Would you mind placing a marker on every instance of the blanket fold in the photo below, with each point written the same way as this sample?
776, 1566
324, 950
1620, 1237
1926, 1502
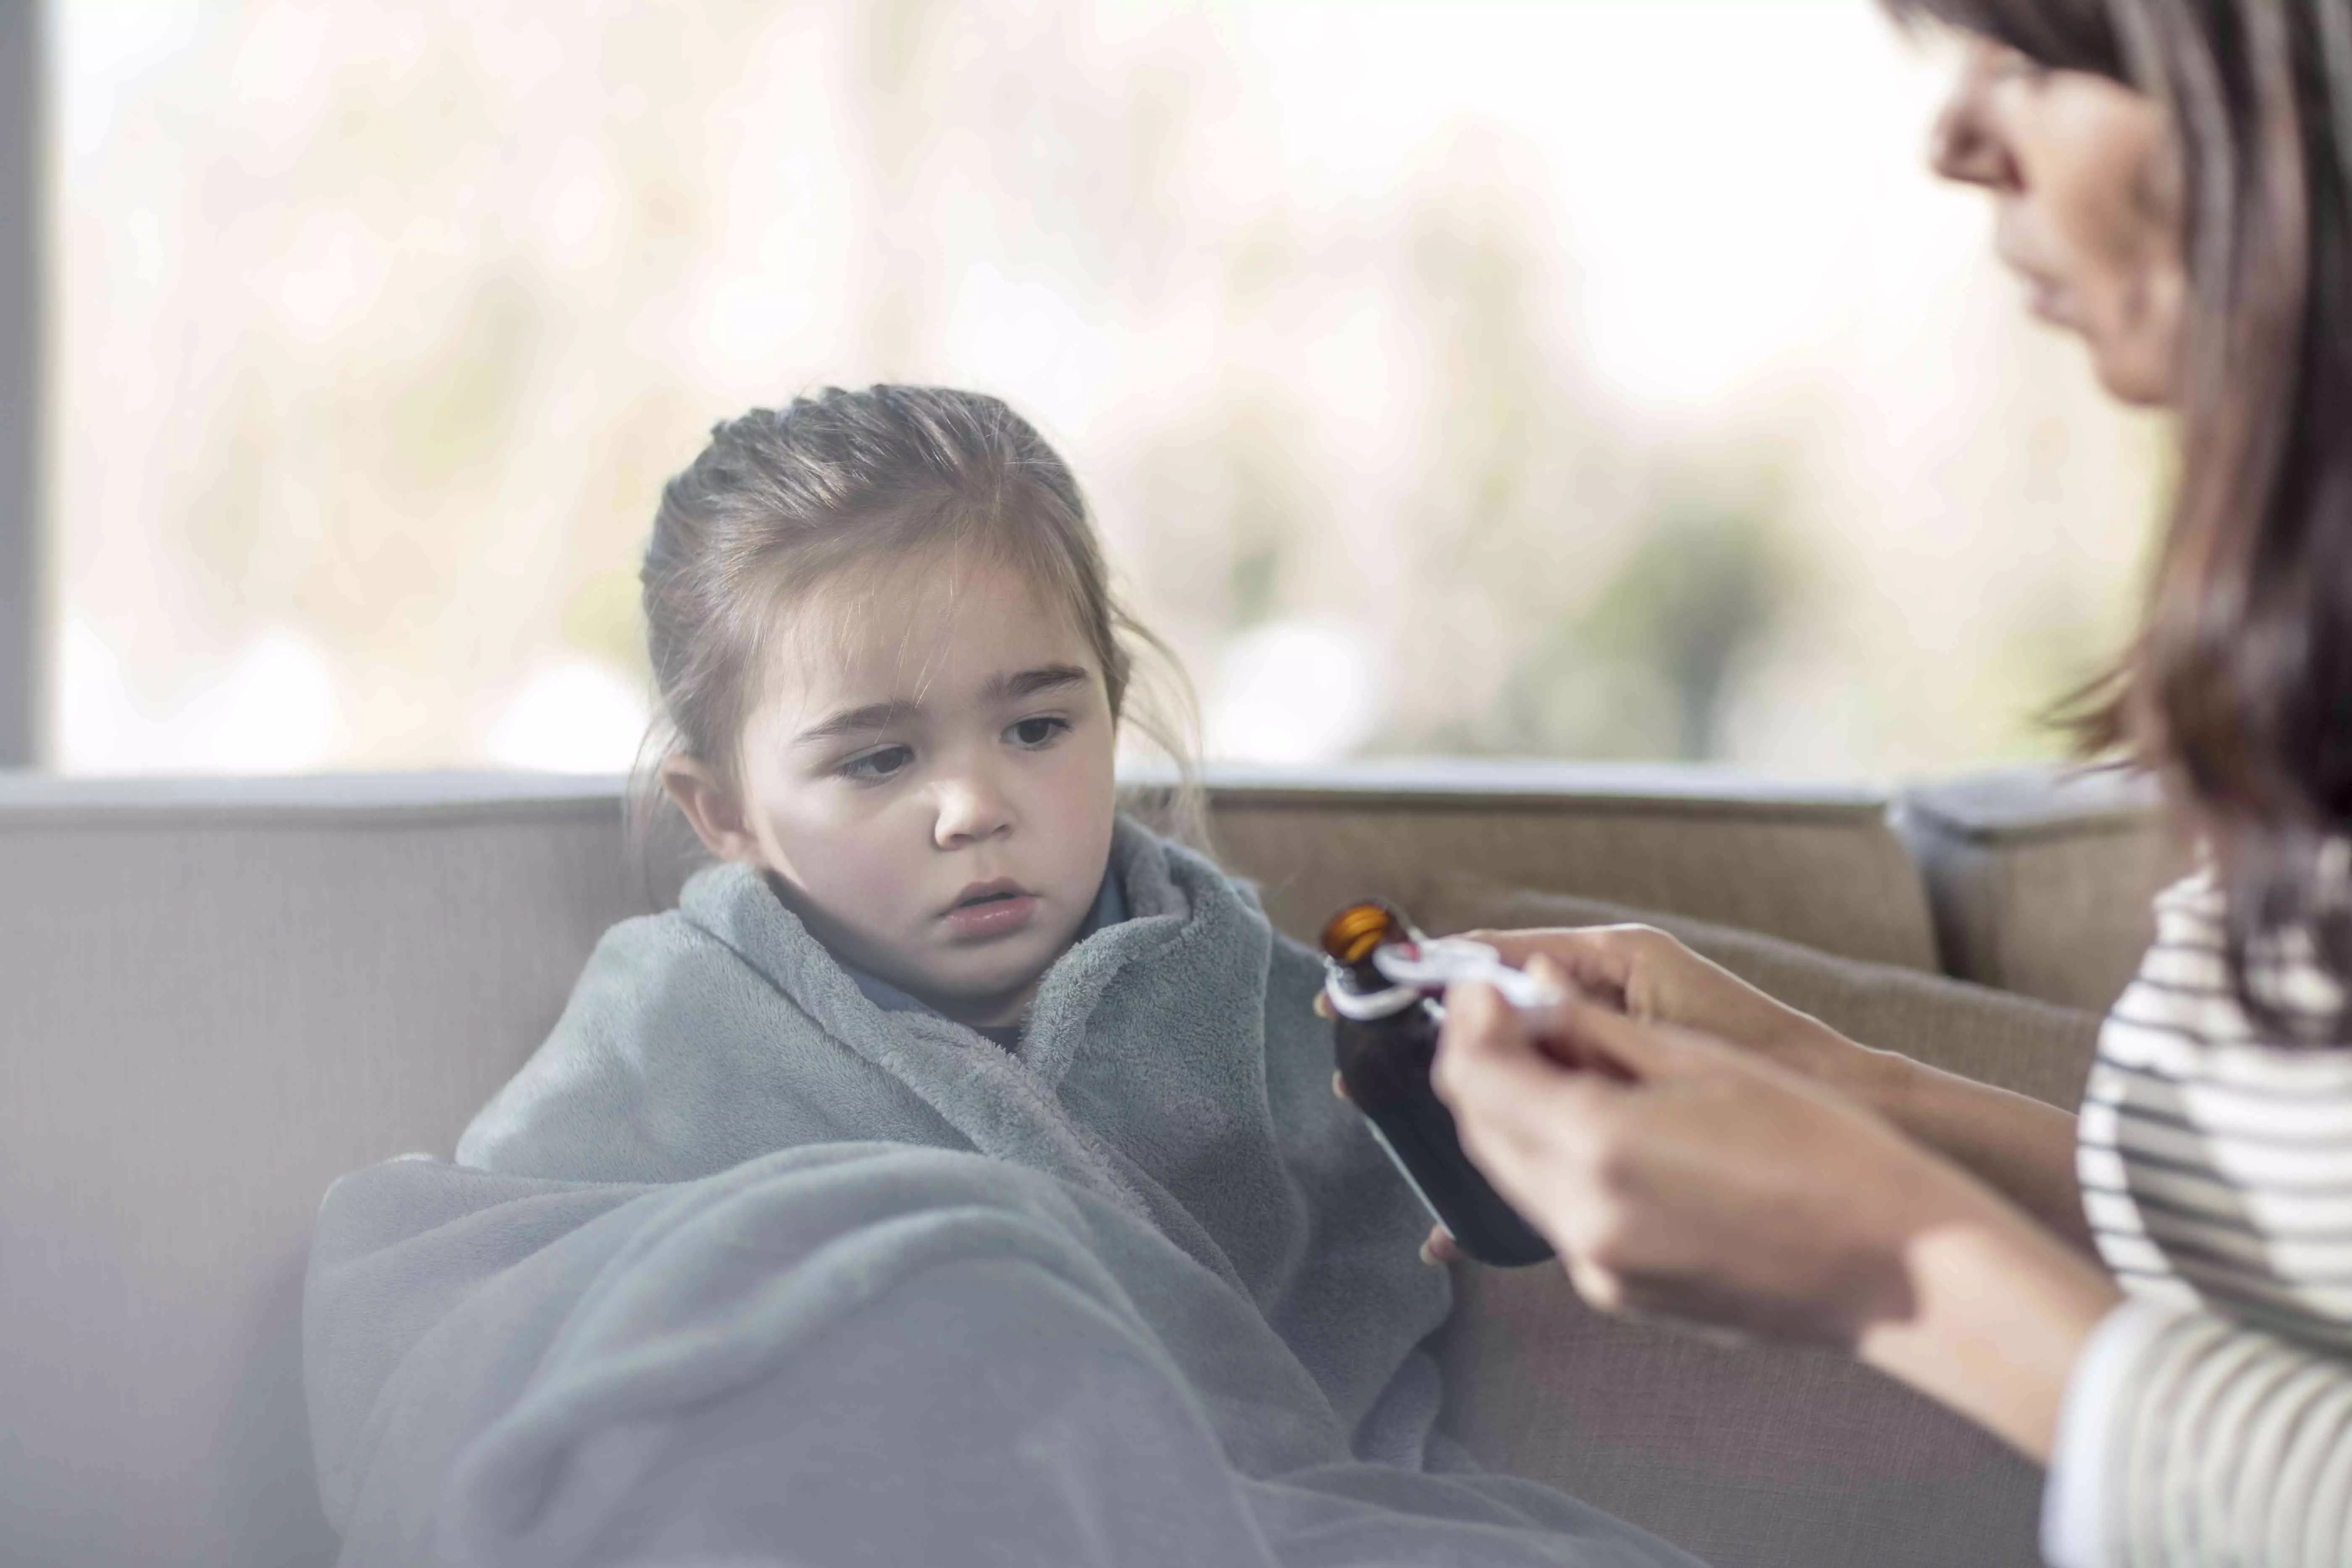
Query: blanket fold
848, 1354
742, 1268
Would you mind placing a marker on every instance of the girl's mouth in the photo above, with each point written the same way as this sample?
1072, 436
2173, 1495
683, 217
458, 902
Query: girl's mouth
991, 910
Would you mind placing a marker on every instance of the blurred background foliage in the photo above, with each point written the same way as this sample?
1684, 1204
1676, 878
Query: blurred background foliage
1595, 379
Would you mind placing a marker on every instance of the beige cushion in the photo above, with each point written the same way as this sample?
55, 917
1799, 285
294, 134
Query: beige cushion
2041, 880
1759, 1455
220, 998
1819, 866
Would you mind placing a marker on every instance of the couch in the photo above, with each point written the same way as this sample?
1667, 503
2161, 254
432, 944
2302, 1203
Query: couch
222, 993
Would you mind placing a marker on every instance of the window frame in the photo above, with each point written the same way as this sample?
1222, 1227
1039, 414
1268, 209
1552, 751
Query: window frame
24, 97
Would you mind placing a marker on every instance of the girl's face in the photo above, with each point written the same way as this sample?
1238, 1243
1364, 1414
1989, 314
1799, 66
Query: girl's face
928, 771
2086, 187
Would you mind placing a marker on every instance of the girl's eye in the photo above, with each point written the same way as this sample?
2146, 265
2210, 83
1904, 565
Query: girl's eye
1037, 732
876, 766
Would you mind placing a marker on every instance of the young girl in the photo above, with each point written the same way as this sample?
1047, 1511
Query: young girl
880, 624
953, 1176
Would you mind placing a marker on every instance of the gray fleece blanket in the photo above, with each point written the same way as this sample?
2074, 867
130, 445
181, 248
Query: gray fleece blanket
742, 1268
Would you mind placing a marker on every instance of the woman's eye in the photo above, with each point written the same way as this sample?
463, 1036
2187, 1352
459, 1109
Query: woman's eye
1034, 732
2016, 66
875, 766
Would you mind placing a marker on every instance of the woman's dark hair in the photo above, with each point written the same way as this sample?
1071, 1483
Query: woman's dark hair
784, 502
2065, 34
2238, 691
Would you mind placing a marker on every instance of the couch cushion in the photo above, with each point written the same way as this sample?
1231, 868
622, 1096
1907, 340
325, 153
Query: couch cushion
2041, 878
1750, 1457
221, 997
1757, 1456
1817, 865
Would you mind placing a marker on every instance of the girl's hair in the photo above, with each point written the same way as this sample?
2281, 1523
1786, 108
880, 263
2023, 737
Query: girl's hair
784, 500
2238, 689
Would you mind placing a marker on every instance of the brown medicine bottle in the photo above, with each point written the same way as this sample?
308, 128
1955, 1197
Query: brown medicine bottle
1385, 1039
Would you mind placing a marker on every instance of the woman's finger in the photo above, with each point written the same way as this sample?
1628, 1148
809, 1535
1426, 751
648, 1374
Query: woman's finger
1518, 1112
1600, 1289
1537, 1041
1486, 1037
1599, 960
1495, 1075
1547, 1024
1604, 1038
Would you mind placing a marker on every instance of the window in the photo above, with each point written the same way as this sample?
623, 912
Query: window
21, 626
1595, 380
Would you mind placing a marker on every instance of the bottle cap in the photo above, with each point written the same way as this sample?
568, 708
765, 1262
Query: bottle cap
1374, 936
1357, 931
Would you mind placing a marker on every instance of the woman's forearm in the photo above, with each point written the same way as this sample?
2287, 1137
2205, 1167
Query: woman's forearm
2021, 1147
1698, 1179
2015, 1144
1998, 1315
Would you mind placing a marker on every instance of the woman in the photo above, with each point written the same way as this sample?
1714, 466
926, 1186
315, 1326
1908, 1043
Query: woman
2154, 1301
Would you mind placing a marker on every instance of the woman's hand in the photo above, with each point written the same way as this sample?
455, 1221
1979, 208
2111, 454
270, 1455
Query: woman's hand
2020, 1146
1680, 1176
1649, 975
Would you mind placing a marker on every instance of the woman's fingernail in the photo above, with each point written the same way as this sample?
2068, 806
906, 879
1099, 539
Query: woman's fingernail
1339, 1086
1431, 1258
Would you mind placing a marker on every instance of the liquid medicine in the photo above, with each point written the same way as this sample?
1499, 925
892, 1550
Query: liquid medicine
1385, 1037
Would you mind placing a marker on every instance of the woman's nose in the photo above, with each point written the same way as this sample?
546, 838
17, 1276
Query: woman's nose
971, 807
1965, 146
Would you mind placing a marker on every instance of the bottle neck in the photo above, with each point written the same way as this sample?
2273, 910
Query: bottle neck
1361, 994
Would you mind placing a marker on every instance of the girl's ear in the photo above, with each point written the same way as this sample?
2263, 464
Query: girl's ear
711, 808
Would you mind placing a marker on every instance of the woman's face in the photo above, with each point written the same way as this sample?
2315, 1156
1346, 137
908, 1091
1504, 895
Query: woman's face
2087, 187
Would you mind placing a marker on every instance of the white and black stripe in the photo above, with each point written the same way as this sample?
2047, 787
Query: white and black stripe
2217, 1175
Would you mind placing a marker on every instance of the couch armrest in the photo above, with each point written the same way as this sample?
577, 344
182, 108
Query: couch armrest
2040, 879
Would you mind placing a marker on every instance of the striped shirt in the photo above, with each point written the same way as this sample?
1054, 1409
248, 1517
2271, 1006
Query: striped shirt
2209, 1420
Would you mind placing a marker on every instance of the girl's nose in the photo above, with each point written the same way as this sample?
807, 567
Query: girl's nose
971, 808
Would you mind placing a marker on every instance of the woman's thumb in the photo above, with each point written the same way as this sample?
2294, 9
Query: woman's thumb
1601, 1039
1557, 1029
